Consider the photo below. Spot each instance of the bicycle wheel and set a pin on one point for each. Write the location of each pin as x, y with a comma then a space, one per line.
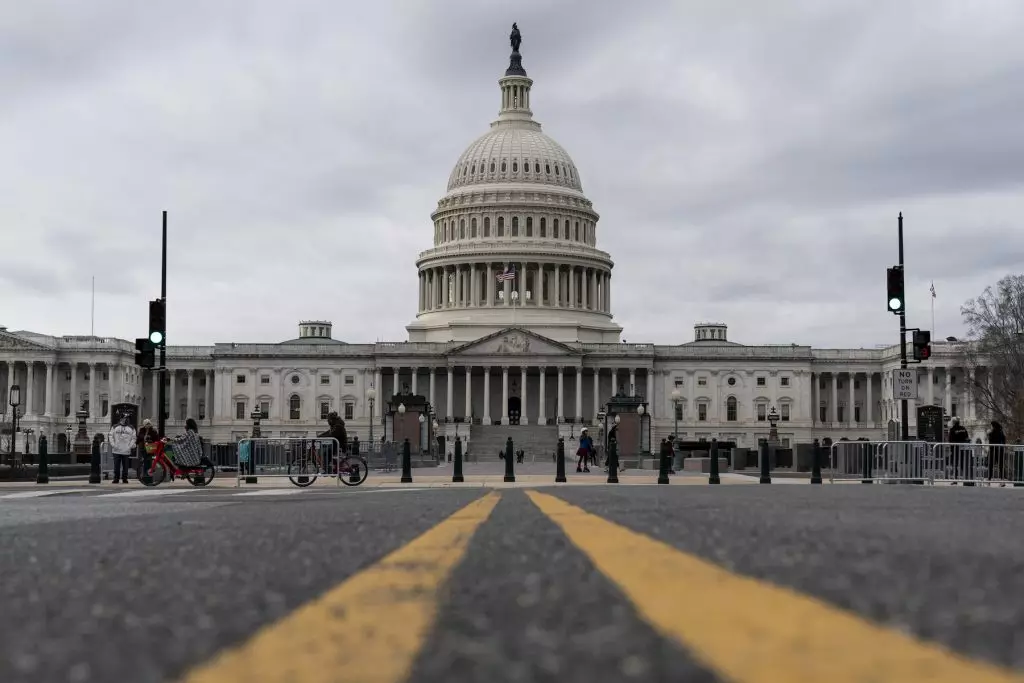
303, 471
353, 470
202, 475
156, 476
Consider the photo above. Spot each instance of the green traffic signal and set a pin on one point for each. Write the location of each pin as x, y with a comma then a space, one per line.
156, 337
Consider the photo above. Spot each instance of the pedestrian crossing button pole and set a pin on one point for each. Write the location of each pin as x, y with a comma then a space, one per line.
714, 478
613, 459
816, 463
43, 475
251, 478
663, 462
510, 453
560, 461
766, 469
94, 463
457, 477
406, 461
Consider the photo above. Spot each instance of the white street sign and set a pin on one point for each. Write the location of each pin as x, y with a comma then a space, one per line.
905, 385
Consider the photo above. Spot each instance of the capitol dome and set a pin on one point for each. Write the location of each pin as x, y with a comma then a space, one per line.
515, 238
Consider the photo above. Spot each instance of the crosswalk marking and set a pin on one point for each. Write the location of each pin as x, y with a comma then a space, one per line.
270, 492
750, 631
40, 493
139, 493
382, 615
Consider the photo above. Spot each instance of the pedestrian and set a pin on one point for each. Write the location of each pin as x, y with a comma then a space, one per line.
584, 451
997, 450
146, 437
962, 463
121, 438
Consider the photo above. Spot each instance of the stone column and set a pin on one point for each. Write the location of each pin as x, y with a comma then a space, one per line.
469, 394
869, 414
572, 286
433, 384
48, 400
504, 394
851, 418
597, 391
377, 384
92, 391
608, 295
208, 405
650, 394
490, 285
487, 395
834, 404
522, 399
931, 385
632, 382
949, 390
172, 392
412, 382
189, 400
557, 281
541, 407
474, 286
561, 393
450, 393
394, 381
969, 395
30, 389
579, 392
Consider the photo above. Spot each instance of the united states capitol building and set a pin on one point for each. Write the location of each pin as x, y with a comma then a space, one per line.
540, 350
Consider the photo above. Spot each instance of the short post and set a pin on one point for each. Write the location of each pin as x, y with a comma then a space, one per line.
663, 462
43, 476
406, 462
560, 461
94, 463
714, 477
869, 456
354, 447
613, 461
457, 477
510, 454
766, 468
353, 474
816, 463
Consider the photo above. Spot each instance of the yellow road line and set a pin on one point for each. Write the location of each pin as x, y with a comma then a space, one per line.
750, 631
369, 628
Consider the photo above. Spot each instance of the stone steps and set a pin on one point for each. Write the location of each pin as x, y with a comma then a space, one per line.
487, 440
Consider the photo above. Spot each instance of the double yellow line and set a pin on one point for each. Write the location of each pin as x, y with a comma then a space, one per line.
370, 628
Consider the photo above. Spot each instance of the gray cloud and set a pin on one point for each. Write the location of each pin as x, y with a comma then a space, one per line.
748, 161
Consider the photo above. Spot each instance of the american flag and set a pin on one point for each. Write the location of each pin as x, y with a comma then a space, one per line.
509, 274
933, 290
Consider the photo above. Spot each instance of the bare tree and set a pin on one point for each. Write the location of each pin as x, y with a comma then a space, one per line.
995, 342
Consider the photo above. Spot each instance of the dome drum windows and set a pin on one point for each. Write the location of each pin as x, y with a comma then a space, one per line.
492, 167
529, 226
515, 166
503, 166
473, 227
487, 226
462, 229
501, 226
543, 227
515, 226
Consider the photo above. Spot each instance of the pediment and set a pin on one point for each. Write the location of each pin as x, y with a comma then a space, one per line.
514, 342
10, 342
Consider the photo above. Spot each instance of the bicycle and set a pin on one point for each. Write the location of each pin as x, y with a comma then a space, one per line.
162, 465
306, 467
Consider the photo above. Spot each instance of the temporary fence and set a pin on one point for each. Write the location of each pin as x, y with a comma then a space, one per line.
294, 458
923, 462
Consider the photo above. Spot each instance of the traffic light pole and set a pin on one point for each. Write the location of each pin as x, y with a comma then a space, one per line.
161, 388
904, 418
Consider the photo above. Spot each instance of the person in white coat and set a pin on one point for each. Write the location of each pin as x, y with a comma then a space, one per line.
121, 439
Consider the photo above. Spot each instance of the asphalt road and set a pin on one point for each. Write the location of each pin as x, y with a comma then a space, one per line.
149, 589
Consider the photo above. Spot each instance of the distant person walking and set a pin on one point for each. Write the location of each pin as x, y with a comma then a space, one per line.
584, 451
121, 438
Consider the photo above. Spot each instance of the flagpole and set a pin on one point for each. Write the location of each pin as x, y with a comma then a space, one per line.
933, 306
92, 313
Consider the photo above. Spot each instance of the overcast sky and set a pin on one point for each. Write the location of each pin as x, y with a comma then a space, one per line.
748, 159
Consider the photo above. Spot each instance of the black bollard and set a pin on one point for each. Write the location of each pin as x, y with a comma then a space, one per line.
766, 469
43, 476
613, 461
663, 464
457, 477
816, 463
406, 462
510, 454
714, 478
560, 461
868, 458
94, 463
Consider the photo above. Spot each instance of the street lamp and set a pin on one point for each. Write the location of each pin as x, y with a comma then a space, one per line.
371, 396
67, 436
15, 401
28, 435
773, 420
423, 420
677, 397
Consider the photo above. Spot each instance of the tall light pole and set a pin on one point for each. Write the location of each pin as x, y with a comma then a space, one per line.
371, 396
677, 397
15, 401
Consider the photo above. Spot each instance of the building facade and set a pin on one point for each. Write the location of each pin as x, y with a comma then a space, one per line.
514, 325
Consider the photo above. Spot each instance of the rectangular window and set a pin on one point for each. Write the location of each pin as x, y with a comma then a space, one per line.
239, 410
856, 384
265, 410
679, 412
325, 379
350, 410
785, 443
183, 410
294, 408
239, 379
702, 412
529, 226
105, 407
760, 381
350, 380
823, 414
202, 410
264, 379
762, 412
702, 381
952, 410
679, 384
839, 414
730, 411
325, 408
784, 381
856, 413
784, 412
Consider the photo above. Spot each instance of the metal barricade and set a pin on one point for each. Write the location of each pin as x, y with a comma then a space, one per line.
290, 458
881, 461
972, 464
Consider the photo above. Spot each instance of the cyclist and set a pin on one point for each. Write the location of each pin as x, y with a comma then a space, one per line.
188, 447
336, 430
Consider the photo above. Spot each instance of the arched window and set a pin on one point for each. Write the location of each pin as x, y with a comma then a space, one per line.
526, 165
529, 226
515, 166
571, 176
474, 169
576, 232
543, 227
462, 229
556, 169
515, 226
501, 226
554, 229
472, 227
730, 409
547, 168
294, 408
492, 167
487, 226
536, 167
503, 167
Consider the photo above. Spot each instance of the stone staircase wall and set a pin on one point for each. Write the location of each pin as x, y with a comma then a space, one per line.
536, 440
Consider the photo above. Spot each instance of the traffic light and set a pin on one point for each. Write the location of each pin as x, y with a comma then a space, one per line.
894, 281
157, 322
922, 344
145, 353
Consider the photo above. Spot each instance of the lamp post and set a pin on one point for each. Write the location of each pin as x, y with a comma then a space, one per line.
15, 401
640, 410
423, 420
394, 433
67, 436
677, 397
773, 420
371, 396
256, 415
28, 434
